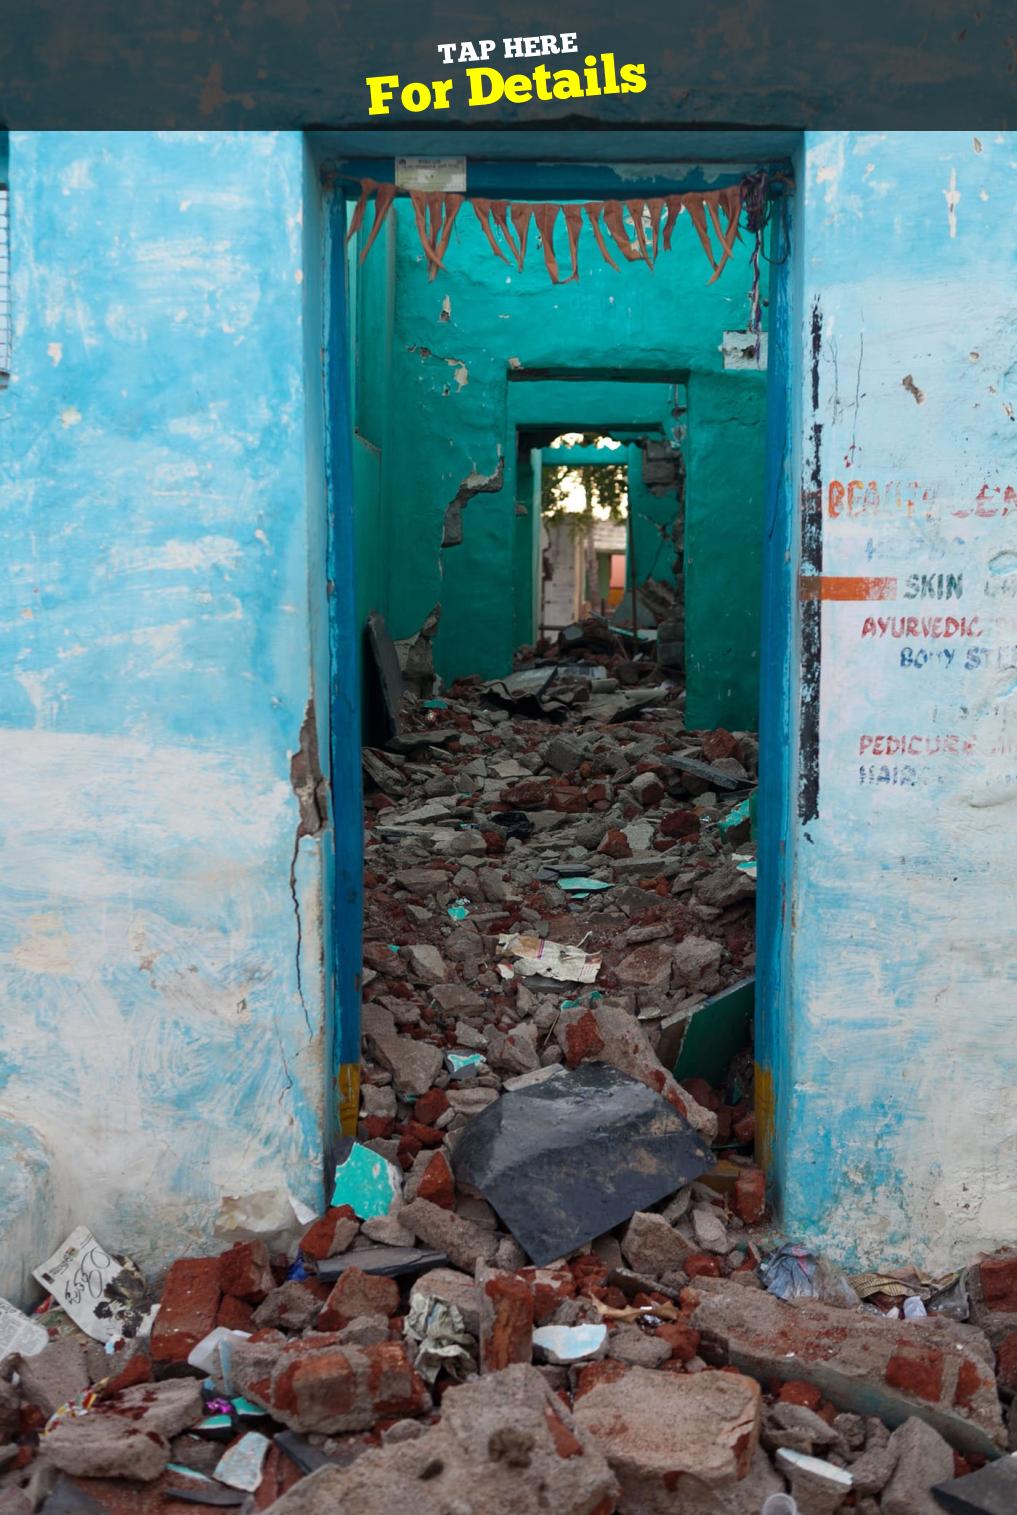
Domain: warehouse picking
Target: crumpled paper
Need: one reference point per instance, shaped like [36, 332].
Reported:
[442, 1341]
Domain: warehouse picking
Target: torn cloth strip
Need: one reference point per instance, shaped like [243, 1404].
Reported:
[640, 228]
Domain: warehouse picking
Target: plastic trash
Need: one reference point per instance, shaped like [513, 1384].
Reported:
[779, 1504]
[914, 1309]
[206, 1355]
[269, 1215]
[792, 1272]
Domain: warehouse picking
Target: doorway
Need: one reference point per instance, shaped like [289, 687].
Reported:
[477, 620]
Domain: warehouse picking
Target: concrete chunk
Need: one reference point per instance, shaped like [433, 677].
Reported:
[673, 1441]
[934, 1369]
[504, 1443]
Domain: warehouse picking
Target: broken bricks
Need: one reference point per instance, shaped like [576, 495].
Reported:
[504, 1442]
[934, 1369]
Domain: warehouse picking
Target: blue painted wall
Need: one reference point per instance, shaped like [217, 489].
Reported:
[892, 1053]
[161, 615]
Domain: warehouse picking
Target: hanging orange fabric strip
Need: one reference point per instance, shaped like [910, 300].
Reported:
[450, 209]
[635, 210]
[367, 188]
[382, 205]
[499, 210]
[545, 217]
[482, 211]
[694, 206]
[593, 214]
[521, 221]
[419, 202]
[674, 210]
[655, 208]
[574, 223]
[614, 220]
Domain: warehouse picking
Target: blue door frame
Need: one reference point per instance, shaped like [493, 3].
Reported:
[526, 175]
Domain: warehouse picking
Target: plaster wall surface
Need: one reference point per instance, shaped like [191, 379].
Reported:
[160, 922]
[896, 1114]
[452, 411]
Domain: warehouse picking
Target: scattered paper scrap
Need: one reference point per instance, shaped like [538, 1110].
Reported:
[534, 955]
[102, 1292]
[18, 1333]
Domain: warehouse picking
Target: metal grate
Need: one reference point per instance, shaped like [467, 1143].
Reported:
[5, 289]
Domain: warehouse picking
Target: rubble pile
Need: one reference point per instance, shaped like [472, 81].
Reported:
[545, 1279]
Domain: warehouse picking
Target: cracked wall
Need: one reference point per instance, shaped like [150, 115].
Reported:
[160, 530]
[440, 413]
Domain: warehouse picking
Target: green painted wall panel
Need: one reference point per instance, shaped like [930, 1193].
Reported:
[451, 409]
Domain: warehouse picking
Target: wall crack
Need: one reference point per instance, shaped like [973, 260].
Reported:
[311, 790]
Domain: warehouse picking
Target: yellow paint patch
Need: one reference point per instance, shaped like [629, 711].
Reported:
[55, 351]
[764, 1116]
[71, 416]
[348, 1087]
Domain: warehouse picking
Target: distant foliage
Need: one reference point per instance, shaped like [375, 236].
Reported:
[584, 493]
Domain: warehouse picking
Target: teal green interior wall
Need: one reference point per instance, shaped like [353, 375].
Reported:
[451, 409]
[524, 589]
[371, 287]
[652, 522]
[723, 549]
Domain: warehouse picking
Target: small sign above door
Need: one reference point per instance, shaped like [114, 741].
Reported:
[445, 174]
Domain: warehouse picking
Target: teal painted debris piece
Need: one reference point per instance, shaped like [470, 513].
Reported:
[367, 1182]
[717, 1031]
[241, 1465]
[581, 887]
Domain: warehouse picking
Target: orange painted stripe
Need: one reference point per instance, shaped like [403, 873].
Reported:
[826, 587]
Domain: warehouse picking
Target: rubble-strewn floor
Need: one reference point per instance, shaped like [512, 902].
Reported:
[402, 1352]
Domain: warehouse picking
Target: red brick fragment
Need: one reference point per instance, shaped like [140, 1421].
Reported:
[245, 1271]
[437, 1183]
[506, 1335]
[430, 1106]
[999, 1283]
[583, 1039]
[700, 1264]
[565, 1444]
[916, 1370]
[795, 1391]
[235, 1314]
[358, 1293]
[680, 823]
[683, 1340]
[190, 1303]
[749, 1197]
[594, 1373]
[615, 843]
[330, 1234]
[550, 1286]
[718, 744]
[426, 1136]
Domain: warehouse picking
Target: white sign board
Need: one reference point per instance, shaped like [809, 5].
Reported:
[445, 174]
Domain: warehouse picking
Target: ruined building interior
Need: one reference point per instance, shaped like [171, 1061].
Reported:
[523, 1094]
